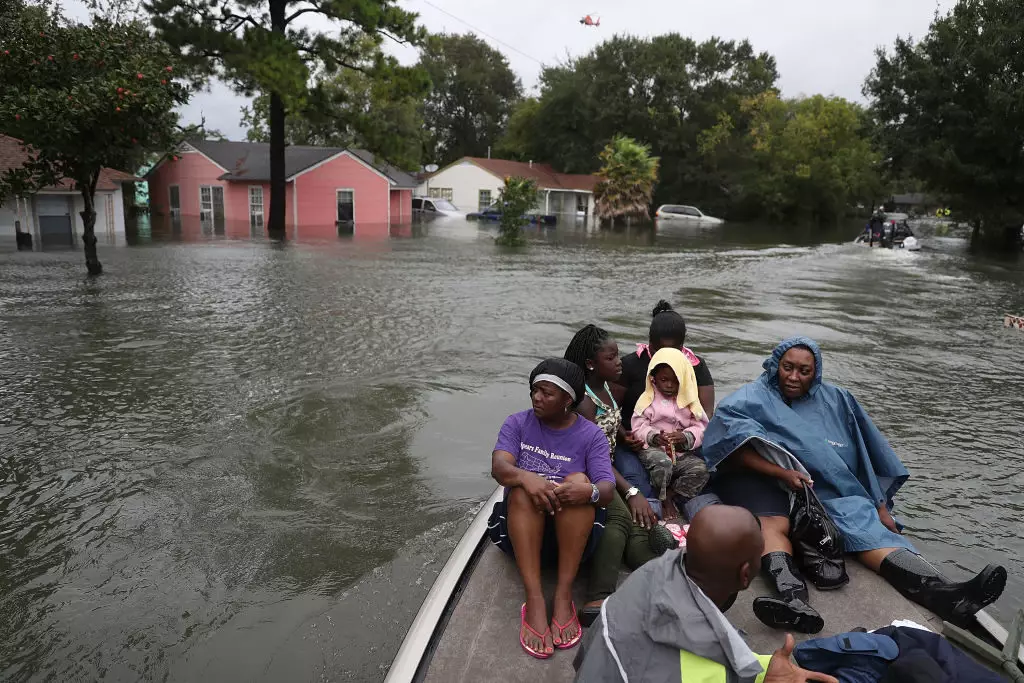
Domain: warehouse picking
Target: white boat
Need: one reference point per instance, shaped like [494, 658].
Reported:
[466, 630]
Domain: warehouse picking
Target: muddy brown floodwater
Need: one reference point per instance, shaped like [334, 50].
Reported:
[236, 461]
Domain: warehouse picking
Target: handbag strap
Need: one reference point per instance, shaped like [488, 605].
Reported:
[809, 494]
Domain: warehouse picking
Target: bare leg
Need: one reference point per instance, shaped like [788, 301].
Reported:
[872, 559]
[776, 535]
[526, 531]
[573, 526]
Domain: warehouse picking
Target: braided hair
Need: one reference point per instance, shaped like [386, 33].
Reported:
[666, 324]
[584, 346]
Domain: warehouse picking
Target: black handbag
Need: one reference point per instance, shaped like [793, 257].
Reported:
[817, 542]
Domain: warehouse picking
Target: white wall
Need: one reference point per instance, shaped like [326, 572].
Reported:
[7, 218]
[466, 179]
[101, 213]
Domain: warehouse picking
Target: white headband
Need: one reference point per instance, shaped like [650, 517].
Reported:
[558, 382]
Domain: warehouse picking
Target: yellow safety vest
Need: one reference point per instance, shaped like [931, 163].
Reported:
[695, 669]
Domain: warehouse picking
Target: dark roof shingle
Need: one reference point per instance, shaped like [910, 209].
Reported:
[250, 161]
[13, 154]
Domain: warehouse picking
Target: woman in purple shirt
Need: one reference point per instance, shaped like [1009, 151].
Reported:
[557, 472]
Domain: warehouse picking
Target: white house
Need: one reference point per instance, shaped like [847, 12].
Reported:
[473, 184]
[53, 215]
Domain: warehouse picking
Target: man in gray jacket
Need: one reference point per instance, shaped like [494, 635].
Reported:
[665, 623]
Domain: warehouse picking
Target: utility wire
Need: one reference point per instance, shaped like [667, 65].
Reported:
[485, 33]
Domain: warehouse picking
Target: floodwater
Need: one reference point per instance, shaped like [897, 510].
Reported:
[239, 461]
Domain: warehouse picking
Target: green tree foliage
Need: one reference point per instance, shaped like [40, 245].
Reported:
[517, 197]
[950, 107]
[83, 97]
[662, 91]
[803, 159]
[369, 108]
[520, 137]
[267, 46]
[627, 178]
[474, 93]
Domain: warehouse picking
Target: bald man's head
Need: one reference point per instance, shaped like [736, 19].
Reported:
[723, 550]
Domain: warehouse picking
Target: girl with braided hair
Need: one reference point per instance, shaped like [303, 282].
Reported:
[632, 532]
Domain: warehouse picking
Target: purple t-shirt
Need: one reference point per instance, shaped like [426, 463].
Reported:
[556, 453]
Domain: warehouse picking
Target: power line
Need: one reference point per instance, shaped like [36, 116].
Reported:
[485, 33]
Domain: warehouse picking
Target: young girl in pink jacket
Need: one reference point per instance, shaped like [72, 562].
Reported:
[670, 421]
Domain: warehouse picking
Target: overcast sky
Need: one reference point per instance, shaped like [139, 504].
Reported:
[821, 46]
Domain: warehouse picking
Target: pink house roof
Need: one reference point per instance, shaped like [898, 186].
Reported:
[547, 177]
[14, 154]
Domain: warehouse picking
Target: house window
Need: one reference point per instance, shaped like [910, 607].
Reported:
[581, 203]
[485, 200]
[346, 206]
[175, 201]
[442, 193]
[255, 207]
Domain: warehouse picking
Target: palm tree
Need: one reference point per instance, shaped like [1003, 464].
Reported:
[627, 177]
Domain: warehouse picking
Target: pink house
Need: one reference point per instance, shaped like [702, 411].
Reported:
[223, 188]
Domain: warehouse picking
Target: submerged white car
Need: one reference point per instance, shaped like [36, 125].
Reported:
[434, 206]
[689, 214]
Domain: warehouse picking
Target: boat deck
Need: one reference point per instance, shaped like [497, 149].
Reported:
[487, 614]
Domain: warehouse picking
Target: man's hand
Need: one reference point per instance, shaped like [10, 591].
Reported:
[795, 480]
[782, 670]
[541, 492]
[887, 520]
[643, 514]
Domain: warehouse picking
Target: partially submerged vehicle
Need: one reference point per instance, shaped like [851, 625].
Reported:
[685, 214]
[494, 212]
[466, 628]
[429, 207]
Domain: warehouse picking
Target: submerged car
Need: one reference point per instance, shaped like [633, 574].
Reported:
[689, 214]
[434, 206]
[493, 213]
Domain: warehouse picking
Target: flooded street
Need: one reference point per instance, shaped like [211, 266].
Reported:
[238, 461]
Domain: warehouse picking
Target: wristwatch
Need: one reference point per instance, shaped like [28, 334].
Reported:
[594, 493]
[632, 492]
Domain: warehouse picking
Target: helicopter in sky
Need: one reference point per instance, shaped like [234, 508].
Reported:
[591, 20]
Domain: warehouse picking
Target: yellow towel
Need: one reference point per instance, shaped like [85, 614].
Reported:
[687, 396]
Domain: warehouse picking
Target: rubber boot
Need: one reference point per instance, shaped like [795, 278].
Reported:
[957, 603]
[661, 540]
[790, 610]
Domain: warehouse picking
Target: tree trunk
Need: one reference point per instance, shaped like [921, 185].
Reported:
[275, 226]
[92, 260]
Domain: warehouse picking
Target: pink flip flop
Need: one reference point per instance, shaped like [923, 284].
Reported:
[579, 630]
[529, 650]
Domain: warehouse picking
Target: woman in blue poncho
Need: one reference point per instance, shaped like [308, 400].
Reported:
[788, 427]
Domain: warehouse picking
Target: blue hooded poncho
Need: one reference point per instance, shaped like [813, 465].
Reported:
[824, 433]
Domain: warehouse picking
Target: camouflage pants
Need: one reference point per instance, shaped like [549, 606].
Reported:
[686, 478]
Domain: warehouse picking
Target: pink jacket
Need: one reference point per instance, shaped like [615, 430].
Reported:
[665, 415]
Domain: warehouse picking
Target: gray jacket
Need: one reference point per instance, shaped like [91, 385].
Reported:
[657, 612]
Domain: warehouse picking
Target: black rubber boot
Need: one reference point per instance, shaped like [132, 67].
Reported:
[790, 610]
[661, 540]
[957, 603]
